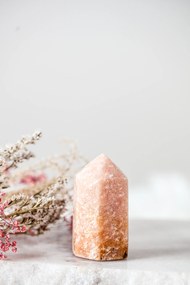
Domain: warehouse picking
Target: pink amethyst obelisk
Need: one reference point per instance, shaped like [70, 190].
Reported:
[100, 219]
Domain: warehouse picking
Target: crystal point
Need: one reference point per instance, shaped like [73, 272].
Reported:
[100, 220]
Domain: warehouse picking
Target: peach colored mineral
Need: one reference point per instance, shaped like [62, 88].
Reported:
[100, 220]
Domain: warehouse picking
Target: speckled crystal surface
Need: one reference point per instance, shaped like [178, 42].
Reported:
[100, 221]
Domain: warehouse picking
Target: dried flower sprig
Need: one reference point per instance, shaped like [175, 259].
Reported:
[37, 211]
[10, 157]
[38, 177]
[8, 226]
[43, 193]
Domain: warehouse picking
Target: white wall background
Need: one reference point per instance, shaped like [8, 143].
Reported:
[114, 75]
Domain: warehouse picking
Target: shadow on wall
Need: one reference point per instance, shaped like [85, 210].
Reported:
[164, 196]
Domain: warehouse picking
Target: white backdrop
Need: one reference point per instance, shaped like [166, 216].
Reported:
[113, 75]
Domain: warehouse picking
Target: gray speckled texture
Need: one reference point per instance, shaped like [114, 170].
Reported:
[159, 254]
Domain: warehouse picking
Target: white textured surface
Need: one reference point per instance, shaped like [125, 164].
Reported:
[159, 254]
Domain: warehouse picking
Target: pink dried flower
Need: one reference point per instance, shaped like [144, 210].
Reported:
[14, 249]
[14, 243]
[7, 228]
[33, 179]
[23, 229]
